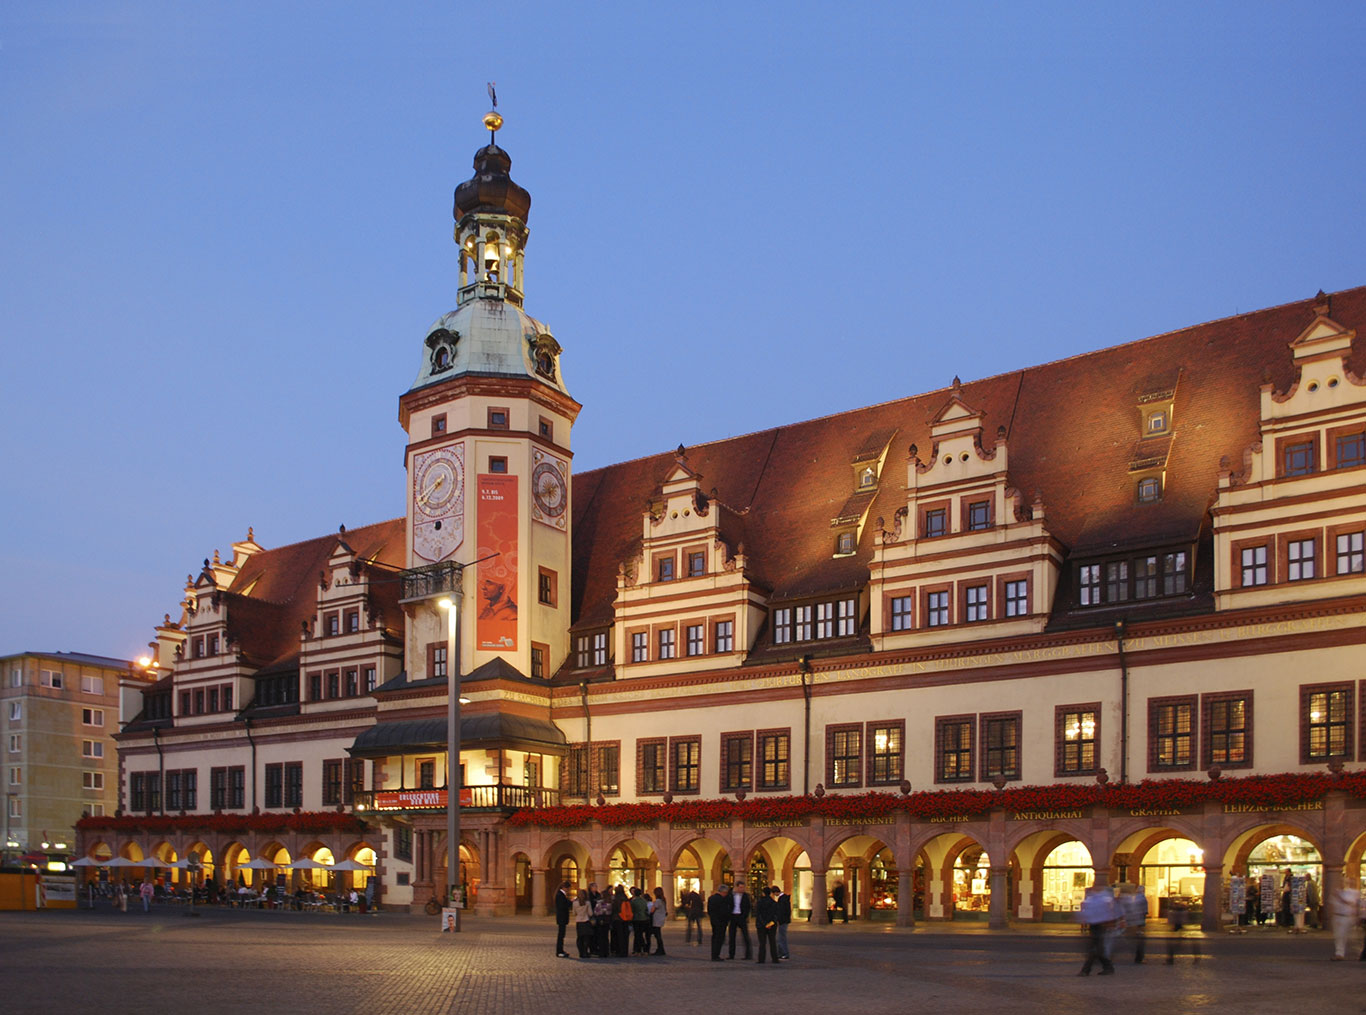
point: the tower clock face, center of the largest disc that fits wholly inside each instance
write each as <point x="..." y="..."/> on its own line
<point x="438" y="502"/>
<point x="547" y="486"/>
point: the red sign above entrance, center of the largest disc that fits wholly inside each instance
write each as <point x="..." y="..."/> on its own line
<point x="417" y="799"/>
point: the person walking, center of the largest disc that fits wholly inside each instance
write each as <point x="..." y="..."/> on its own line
<point x="694" y="916"/>
<point x="766" y="923"/>
<point x="1343" y="903"/>
<point x="146" y="891"/>
<point x="1134" y="907"/>
<point x="1178" y="915"/>
<point x="784" y="919"/>
<point x="583" y="924"/>
<point x="839" y="894"/>
<point x="740" y="908"/>
<point x="659" y="912"/>
<point x="562" y="909"/>
<point x="1098" y="914"/>
<point x="718" y="913"/>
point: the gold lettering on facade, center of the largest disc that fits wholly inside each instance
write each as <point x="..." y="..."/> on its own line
<point x="1044" y="815"/>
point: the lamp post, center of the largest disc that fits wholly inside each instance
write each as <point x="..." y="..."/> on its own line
<point x="451" y="604"/>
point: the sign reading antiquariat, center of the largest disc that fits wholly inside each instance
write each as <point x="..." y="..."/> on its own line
<point x="417" y="799"/>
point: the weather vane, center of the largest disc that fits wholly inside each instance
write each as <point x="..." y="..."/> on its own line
<point x="493" y="119"/>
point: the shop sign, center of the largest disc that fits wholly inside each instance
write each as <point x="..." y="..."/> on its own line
<point x="767" y="824"/>
<point x="1046" y="815"/>
<point x="886" y="819"/>
<point x="417" y="799"/>
<point x="1156" y="812"/>
<point x="703" y="824"/>
<point x="1306" y="805"/>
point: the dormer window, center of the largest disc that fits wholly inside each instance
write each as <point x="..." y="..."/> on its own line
<point x="1157" y="423"/>
<point x="867" y="479"/>
<point x="844" y="543"/>
<point x="1149" y="489"/>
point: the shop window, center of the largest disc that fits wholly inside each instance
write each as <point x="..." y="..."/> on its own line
<point x="1076" y="736"/>
<point x="953" y="749"/>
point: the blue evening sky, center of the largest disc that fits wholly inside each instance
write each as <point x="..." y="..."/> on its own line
<point x="225" y="229"/>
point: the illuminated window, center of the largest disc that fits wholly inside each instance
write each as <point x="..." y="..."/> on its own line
<point x="773" y="759"/>
<point x="885" y="753"/>
<point x="1327" y="722"/>
<point x="1077" y="729"/>
<point x="844" y="766"/>
<point x="1172" y="733"/>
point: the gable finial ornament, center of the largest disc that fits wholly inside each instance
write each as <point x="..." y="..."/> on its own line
<point x="493" y="119"/>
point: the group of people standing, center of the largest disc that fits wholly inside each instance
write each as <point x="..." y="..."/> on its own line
<point x="621" y="922"/>
<point x="613" y="922"/>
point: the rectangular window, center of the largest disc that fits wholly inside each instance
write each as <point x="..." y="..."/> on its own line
<point x="16" y="678"/>
<point x="1171" y="733"/>
<point x="696" y="642"/>
<point x="354" y="777"/>
<point x="600" y="648"/>
<point x="886" y="755"/>
<point x="666" y="643"/>
<point x="352" y="683"/>
<point x="1017" y="598"/>
<point x="294" y="784"/>
<point x="975" y="599"/>
<point x="1253" y="566"/>
<point x="1174" y="573"/>
<point x="936" y="522"/>
<point x="1001" y="745"/>
<point x="953" y="749"/>
<point x="1227" y="729"/>
<point x="686" y="754"/>
<point x="538" y="654"/>
<point x="664" y="568"/>
<point x="275" y="785"/>
<point x="697" y="563"/>
<point x="438" y="424"/>
<point x="1298" y="459"/>
<point x="213" y="645"/>
<point x="724" y="633"/>
<point x="154" y="791"/>
<point x="426" y="773"/>
<point x="16" y="743"/>
<point x="576" y="771"/>
<point x="1076" y="736"/>
<point x="92" y="749"/>
<point x="92" y="685"/>
<point x="846" y="618"/>
<point x="1349" y="450"/>
<point x="1117" y="581"/>
<point x="802" y="615"/>
<point x="583" y="653"/>
<point x="652" y="765"/>
<point x="1145" y="577"/>
<point x="547" y="591"/>
<point x="546" y="428"/>
<point x="189" y="788"/>
<point x="334" y="683"/>
<point x="315" y="680"/>
<point x="902" y="616"/>
<point x="211" y="700"/>
<point x="640" y="646"/>
<point x="498" y="465"/>
<point x="1088" y="585"/>
<point x="237" y="786"/>
<point x="737" y="756"/>
<point x="825" y="620"/>
<point x="173" y="795"/>
<point x="609" y="769"/>
<point x="92" y="780"/>
<point x="332" y="782"/>
<point x="16" y="807"/>
<point x="979" y="515"/>
<point x="782" y="626"/>
<point x="352" y="621"/>
<point x="1326" y="718"/>
<point x="774" y="748"/>
<point x="218" y="788"/>
<point x="937" y="609"/>
<point x="51" y="678"/>
<point x="844" y="750"/>
<point x="1350" y="556"/>
<point x="199" y="702"/>
<point x="403" y="843"/>
<point x="137" y="791"/>
<point x="498" y="418"/>
<point x="197" y="648"/>
<point x="332" y="624"/>
<point x="1300" y="559"/>
<point x="370" y="679"/>
<point x="227" y="697"/>
<point x="16" y="710"/>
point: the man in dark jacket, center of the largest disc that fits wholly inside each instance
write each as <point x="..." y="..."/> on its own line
<point x="766" y="923"/>
<point x="718" y="912"/>
<point x="740" y="908"/>
<point x="784" y="918"/>
<point x="561" y="919"/>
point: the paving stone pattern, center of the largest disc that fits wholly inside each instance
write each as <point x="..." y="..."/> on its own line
<point x="242" y="963"/>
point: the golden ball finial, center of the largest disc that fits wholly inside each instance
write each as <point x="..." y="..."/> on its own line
<point x="493" y="120"/>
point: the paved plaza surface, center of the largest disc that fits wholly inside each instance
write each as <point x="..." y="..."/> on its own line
<point x="236" y="962"/>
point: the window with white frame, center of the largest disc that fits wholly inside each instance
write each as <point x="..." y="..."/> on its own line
<point x="16" y="677"/>
<point x="825" y="620"/>
<point x="92" y="780"/>
<point x="16" y="807"/>
<point x="600" y="649"/>
<point x="92" y="717"/>
<point x="847" y="620"/>
<point x="51" y="678"/>
<point x="1088" y="584"/>
<point x="782" y="626"/>
<point x="92" y="749"/>
<point x="16" y="776"/>
<point x="16" y="743"/>
<point x="16" y="710"/>
<point x="803" y="616"/>
<point x="92" y="685"/>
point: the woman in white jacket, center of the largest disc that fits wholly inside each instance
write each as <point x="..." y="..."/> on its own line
<point x="659" y="912"/>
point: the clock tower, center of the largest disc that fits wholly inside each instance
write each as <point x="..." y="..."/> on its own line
<point x="488" y="457"/>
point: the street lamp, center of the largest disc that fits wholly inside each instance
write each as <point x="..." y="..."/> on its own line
<point x="451" y="604"/>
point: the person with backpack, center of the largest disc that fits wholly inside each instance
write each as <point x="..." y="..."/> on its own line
<point x="622" y="917"/>
<point x="659" y="912"/>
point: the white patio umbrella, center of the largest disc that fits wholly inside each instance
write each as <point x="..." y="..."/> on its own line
<point x="90" y="861"/>
<point x="121" y="861"/>
<point x="151" y="861"/>
<point x="259" y="864"/>
<point x="351" y="865"/>
<point x="307" y="864"/>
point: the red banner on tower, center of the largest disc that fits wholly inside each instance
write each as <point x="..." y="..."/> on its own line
<point x="496" y="621"/>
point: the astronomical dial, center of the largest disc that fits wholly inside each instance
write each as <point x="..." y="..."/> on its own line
<point x="547" y="486"/>
<point x="438" y="484"/>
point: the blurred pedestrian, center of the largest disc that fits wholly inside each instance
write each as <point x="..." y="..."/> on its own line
<point x="1343" y="904"/>
<point x="1134" y="906"/>
<point x="1098" y="914"/>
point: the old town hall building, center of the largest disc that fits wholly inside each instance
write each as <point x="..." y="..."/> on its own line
<point x="963" y="653"/>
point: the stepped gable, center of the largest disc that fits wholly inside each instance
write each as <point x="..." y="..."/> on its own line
<point x="1072" y="427"/>
<point x="276" y="590"/>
